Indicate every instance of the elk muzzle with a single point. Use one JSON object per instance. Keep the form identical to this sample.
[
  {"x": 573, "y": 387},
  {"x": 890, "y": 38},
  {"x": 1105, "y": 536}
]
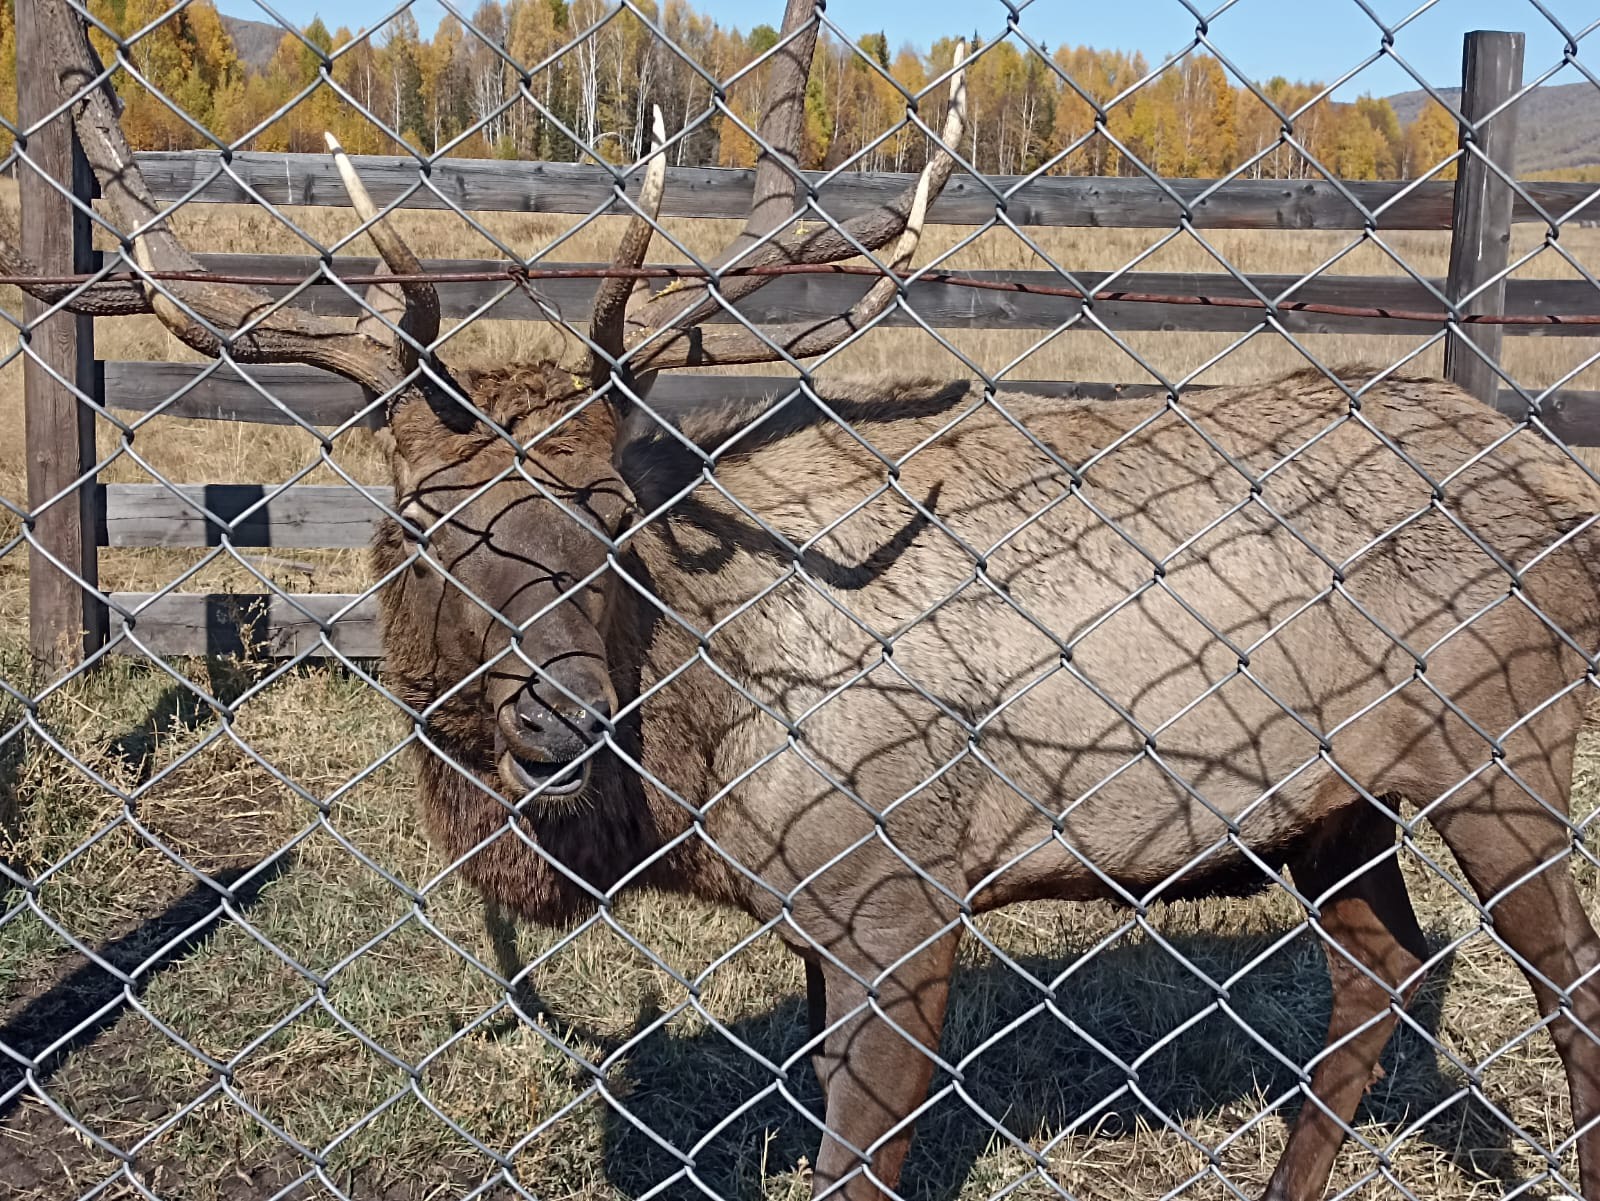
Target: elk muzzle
[{"x": 545, "y": 729}]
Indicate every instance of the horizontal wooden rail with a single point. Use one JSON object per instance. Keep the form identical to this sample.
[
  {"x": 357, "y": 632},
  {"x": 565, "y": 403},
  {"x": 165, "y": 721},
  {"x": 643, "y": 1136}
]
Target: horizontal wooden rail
[
  {"x": 283, "y": 394},
  {"x": 820, "y": 297},
  {"x": 340, "y": 516},
  {"x": 478, "y": 185},
  {"x": 302, "y": 515},
  {"x": 316, "y": 398},
  {"x": 236, "y": 623},
  {"x": 215, "y": 392}
]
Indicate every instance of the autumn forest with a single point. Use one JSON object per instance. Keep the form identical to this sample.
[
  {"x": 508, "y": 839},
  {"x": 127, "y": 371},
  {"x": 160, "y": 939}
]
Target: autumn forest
[{"x": 524, "y": 82}]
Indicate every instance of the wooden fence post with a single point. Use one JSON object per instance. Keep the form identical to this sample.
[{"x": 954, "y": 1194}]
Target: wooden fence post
[
  {"x": 1480, "y": 247},
  {"x": 64, "y": 619}
]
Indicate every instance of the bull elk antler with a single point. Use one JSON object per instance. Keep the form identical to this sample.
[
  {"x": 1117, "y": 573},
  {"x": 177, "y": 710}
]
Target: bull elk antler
[
  {"x": 643, "y": 333},
  {"x": 665, "y": 331},
  {"x": 212, "y": 318}
]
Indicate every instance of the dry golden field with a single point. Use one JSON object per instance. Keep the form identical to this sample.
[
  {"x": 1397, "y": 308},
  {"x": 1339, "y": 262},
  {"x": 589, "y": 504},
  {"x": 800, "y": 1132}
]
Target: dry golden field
[{"x": 386, "y": 1065}]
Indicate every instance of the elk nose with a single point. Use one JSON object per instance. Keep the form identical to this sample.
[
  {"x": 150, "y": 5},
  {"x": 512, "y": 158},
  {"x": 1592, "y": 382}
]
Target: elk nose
[{"x": 562, "y": 726}]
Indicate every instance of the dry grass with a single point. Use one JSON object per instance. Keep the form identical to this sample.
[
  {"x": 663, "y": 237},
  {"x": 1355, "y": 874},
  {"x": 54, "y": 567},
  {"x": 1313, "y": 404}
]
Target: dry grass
[{"x": 322, "y": 861}]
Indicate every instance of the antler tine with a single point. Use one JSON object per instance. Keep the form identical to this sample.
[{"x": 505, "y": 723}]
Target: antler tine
[
  {"x": 413, "y": 306},
  {"x": 607, "y": 324},
  {"x": 685, "y": 345},
  {"x": 683, "y": 306},
  {"x": 108, "y": 298},
  {"x": 937, "y": 173},
  {"x": 777, "y": 180},
  {"x": 650, "y": 194},
  {"x": 206, "y": 316}
]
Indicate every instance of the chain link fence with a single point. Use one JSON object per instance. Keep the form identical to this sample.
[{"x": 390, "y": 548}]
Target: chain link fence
[{"x": 911, "y": 503}]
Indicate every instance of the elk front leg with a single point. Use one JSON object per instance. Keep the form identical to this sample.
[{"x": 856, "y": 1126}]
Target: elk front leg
[
  {"x": 875, "y": 1072},
  {"x": 1374, "y": 951}
]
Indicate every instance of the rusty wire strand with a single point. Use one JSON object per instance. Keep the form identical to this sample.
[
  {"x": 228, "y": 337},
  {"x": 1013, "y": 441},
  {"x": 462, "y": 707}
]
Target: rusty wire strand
[{"x": 520, "y": 274}]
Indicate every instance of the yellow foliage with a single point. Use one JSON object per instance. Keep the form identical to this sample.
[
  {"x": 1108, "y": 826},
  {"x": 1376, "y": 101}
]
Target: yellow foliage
[
  {"x": 184, "y": 86},
  {"x": 1432, "y": 138}
]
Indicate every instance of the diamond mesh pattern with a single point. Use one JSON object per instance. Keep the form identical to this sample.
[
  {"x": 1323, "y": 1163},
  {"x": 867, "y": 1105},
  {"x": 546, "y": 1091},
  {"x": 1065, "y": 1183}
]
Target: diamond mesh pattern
[{"x": 694, "y": 673}]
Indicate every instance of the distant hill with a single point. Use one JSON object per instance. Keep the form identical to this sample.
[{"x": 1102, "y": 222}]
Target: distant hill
[
  {"x": 255, "y": 41},
  {"x": 1558, "y": 128}
]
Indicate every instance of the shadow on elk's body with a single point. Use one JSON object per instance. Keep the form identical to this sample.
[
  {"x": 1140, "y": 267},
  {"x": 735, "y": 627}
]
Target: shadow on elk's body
[{"x": 876, "y": 678}]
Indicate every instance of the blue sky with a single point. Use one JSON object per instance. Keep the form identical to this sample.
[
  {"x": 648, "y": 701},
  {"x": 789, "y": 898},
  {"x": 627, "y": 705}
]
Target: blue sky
[{"x": 1302, "y": 39}]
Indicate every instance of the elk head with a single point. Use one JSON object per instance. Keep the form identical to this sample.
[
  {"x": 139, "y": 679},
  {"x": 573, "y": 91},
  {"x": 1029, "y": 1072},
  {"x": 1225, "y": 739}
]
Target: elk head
[{"x": 510, "y": 500}]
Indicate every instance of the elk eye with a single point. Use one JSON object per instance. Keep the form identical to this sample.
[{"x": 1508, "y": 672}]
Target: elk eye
[{"x": 414, "y": 519}]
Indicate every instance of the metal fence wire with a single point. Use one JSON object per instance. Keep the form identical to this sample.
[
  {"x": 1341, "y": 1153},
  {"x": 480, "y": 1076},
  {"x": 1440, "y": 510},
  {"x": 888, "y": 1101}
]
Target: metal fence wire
[{"x": 681, "y": 795}]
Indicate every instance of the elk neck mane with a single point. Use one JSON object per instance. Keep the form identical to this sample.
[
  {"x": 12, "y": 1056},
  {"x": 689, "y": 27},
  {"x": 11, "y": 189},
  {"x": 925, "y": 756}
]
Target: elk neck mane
[{"x": 621, "y": 820}]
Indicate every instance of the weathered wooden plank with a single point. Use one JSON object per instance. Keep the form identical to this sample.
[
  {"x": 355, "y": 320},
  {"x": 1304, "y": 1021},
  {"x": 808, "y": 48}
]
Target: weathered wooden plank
[
  {"x": 245, "y": 624},
  {"x": 58, "y": 431},
  {"x": 818, "y": 297},
  {"x": 320, "y": 515},
  {"x": 1480, "y": 247},
  {"x": 1073, "y": 201},
  {"x": 243, "y": 514},
  {"x": 1573, "y": 415},
  {"x": 320, "y": 399},
  {"x": 216, "y": 392}
]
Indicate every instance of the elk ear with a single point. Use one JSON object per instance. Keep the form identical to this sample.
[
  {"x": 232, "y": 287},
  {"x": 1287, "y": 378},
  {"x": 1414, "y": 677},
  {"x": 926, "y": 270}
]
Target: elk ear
[
  {"x": 411, "y": 477},
  {"x": 421, "y": 442},
  {"x": 428, "y": 413},
  {"x": 417, "y": 430},
  {"x": 414, "y": 520},
  {"x": 404, "y": 473}
]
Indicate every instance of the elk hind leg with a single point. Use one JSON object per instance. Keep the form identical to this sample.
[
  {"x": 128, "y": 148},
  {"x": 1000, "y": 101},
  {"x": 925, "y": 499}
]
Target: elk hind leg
[
  {"x": 1375, "y": 951},
  {"x": 817, "y": 1020},
  {"x": 1508, "y": 831}
]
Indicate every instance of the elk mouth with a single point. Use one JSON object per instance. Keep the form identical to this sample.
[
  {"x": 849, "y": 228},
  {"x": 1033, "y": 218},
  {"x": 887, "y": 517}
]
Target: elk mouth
[{"x": 549, "y": 781}]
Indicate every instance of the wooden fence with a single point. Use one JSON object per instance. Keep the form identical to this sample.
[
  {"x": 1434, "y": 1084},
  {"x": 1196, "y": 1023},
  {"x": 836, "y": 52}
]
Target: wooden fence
[{"x": 65, "y": 622}]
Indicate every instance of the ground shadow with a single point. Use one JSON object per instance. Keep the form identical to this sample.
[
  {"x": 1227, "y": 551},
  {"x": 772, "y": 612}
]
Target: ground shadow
[
  {"x": 181, "y": 709},
  {"x": 1038, "y": 1080},
  {"x": 79, "y": 1005},
  {"x": 176, "y": 710}
]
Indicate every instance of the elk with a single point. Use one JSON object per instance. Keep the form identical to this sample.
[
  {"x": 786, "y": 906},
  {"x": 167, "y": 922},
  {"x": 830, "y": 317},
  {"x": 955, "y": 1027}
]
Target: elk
[{"x": 864, "y": 678}]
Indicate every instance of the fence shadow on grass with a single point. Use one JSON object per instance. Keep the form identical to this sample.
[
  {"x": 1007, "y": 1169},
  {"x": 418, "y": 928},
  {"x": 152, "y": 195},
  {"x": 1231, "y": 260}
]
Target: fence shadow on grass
[
  {"x": 78, "y": 1006},
  {"x": 1040, "y": 1079}
]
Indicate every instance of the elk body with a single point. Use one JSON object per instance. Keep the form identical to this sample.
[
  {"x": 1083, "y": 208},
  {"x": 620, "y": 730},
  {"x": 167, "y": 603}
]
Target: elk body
[
  {"x": 913, "y": 736},
  {"x": 870, "y": 678}
]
